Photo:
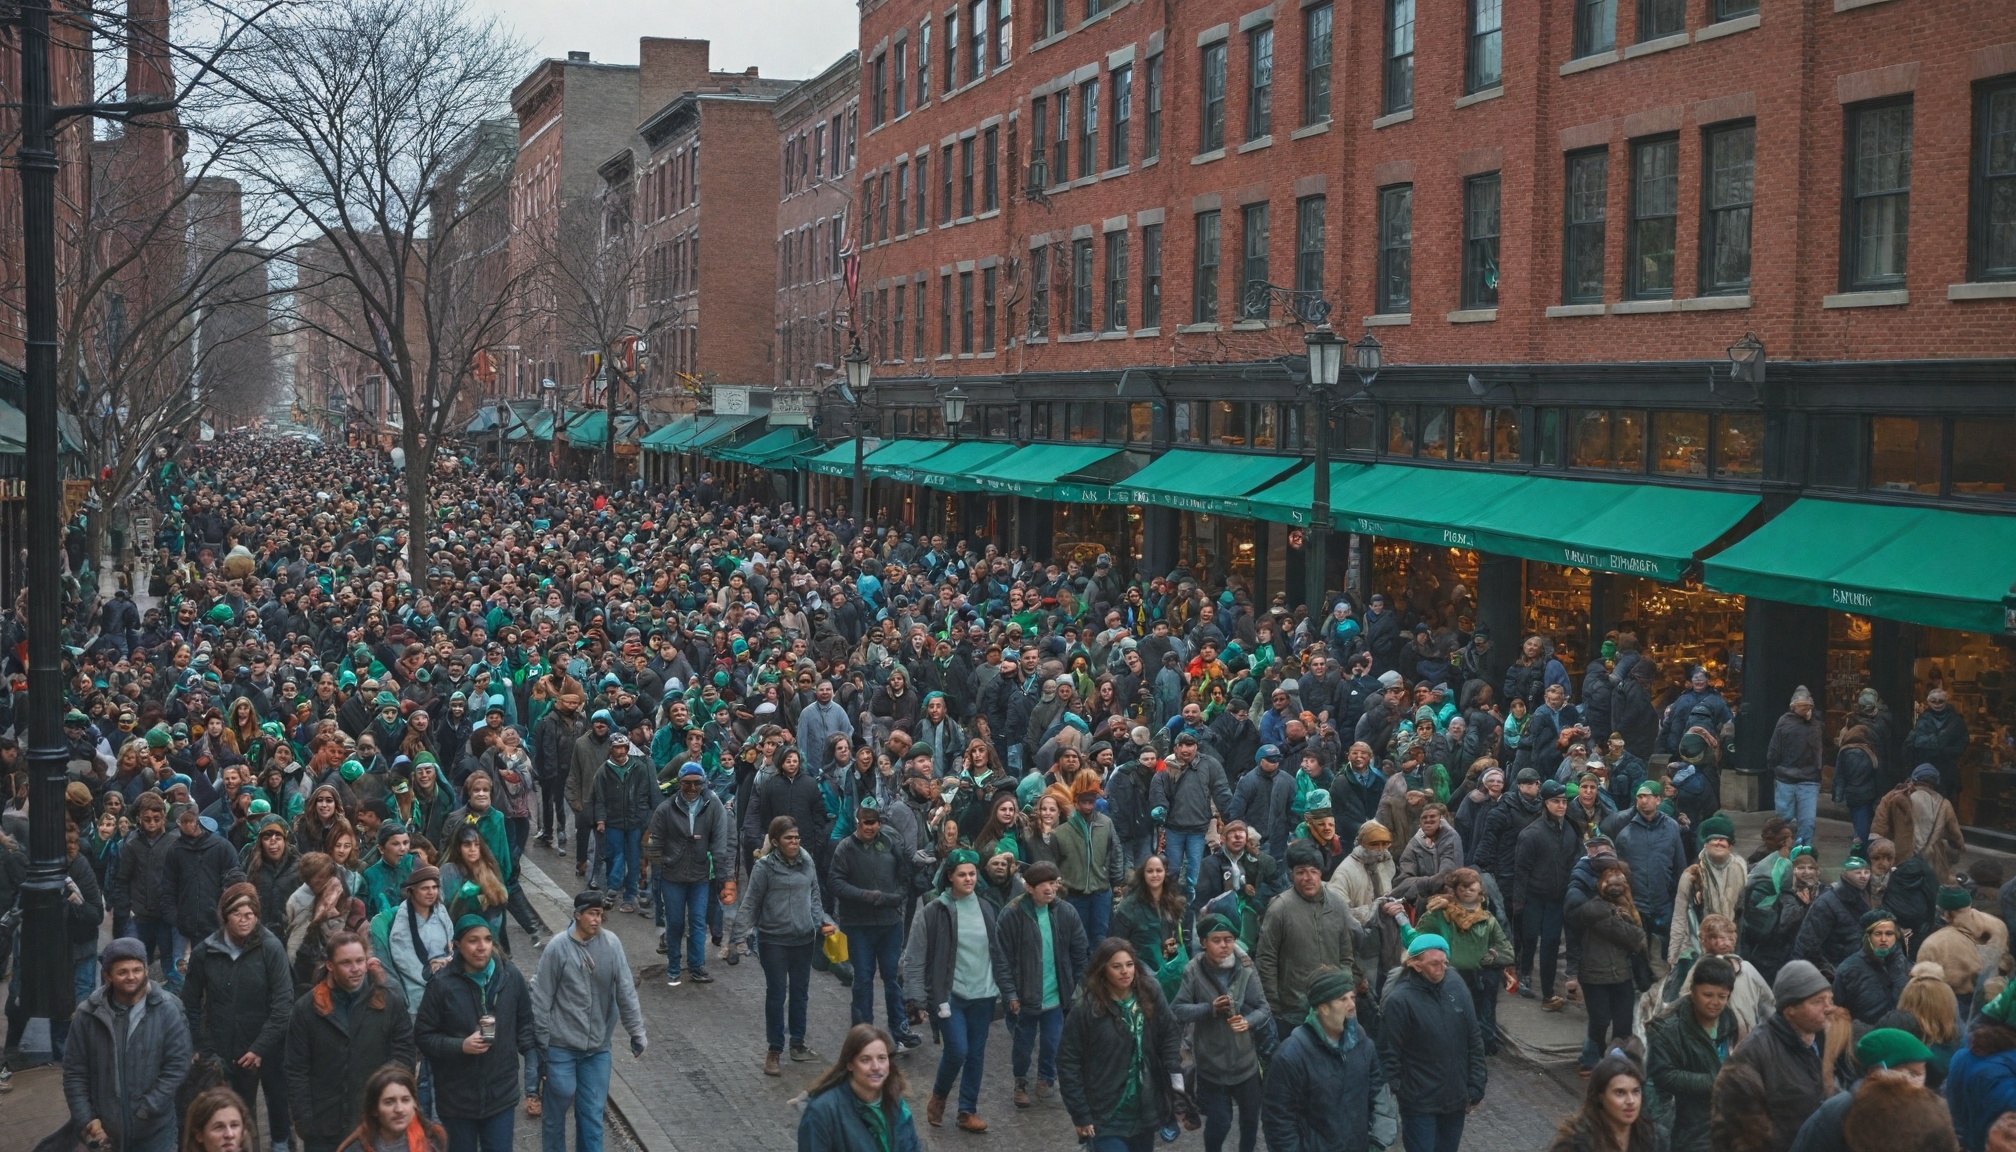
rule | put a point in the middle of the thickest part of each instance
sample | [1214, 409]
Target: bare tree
[363, 115]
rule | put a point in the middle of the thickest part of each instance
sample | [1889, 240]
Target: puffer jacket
[1833, 928]
[1430, 1049]
[1544, 860]
[239, 1000]
[686, 847]
[1868, 985]
[198, 870]
[622, 799]
[782, 900]
[1325, 1097]
[1609, 940]
[127, 1084]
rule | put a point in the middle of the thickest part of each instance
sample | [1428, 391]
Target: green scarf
[1128, 1106]
[877, 1119]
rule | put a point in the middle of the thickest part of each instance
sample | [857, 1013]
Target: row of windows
[823, 152]
[673, 184]
[672, 267]
[809, 348]
[811, 254]
[897, 199]
[1923, 454]
[1728, 164]
[894, 318]
[1259, 50]
[899, 77]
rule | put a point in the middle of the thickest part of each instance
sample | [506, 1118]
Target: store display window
[1433, 583]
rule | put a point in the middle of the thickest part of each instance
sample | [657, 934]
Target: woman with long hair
[317, 911]
[341, 846]
[241, 730]
[1932, 1005]
[218, 1121]
[468, 861]
[1613, 1117]
[1120, 1061]
[1003, 823]
[1038, 835]
[311, 828]
[782, 904]
[1150, 917]
[392, 1117]
[858, 1102]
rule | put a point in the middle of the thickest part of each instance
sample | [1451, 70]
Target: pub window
[1549, 437]
[1469, 436]
[1266, 433]
[1116, 421]
[1904, 454]
[1039, 415]
[1187, 422]
[1505, 436]
[1141, 422]
[1680, 443]
[902, 422]
[1729, 174]
[1359, 429]
[1291, 428]
[1991, 251]
[1000, 421]
[1610, 440]
[1081, 421]
[1739, 445]
[1434, 433]
[1228, 423]
[1876, 220]
[1400, 430]
[1983, 465]
[1834, 451]
[1655, 213]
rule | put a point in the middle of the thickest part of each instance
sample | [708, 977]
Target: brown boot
[1021, 1092]
[934, 1111]
[968, 1122]
[770, 1063]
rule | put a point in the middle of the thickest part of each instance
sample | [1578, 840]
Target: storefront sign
[731, 401]
[1851, 599]
[790, 409]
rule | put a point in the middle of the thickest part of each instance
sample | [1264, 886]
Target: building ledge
[1491, 93]
[1308, 130]
[1077, 337]
[1249, 325]
[1196, 329]
[1389, 320]
[1257, 143]
[1715, 303]
[1561, 311]
[1728, 27]
[1891, 298]
[1473, 316]
[1846, 5]
[1589, 63]
[1392, 118]
[1655, 46]
[1110, 173]
[1980, 290]
[1140, 332]
[1643, 307]
[1115, 335]
[1208, 157]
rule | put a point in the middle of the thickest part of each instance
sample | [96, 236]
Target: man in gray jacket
[127, 1055]
[821, 721]
[689, 842]
[1222, 997]
[584, 984]
[1180, 799]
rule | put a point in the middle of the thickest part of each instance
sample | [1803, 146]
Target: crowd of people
[1209, 863]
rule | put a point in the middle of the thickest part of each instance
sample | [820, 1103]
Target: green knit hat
[468, 923]
[1954, 899]
[1889, 1047]
[1718, 825]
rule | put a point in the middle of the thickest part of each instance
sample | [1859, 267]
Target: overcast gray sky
[788, 39]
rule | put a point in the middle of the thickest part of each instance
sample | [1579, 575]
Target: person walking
[1430, 1050]
[1181, 798]
[1794, 756]
[1091, 862]
[1685, 1051]
[1047, 949]
[393, 1117]
[1221, 999]
[1613, 946]
[1307, 930]
[1479, 950]
[857, 1105]
[966, 973]
[128, 1052]
[1779, 1074]
[1869, 983]
[783, 909]
[870, 879]
[239, 997]
[1324, 1090]
[474, 1024]
[195, 875]
[1543, 863]
[690, 841]
[1613, 1116]
[1120, 1062]
[139, 895]
[584, 985]
[619, 806]
[347, 1026]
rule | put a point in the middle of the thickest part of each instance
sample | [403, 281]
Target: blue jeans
[1540, 929]
[871, 949]
[577, 1080]
[533, 1071]
[490, 1134]
[786, 967]
[1796, 805]
[625, 860]
[1139, 1142]
[1861, 816]
[964, 1057]
[1050, 1023]
[1432, 1131]
[1095, 912]
[685, 919]
[158, 937]
[1185, 852]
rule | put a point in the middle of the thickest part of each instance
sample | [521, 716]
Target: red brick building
[817, 123]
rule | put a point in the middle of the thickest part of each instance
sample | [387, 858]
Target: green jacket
[1483, 945]
[1682, 1061]
[382, 883]
[1089, 858]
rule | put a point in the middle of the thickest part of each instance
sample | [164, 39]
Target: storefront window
[1834, 451]
[1141, 422]
[1082, 531]
[1557, 607]
[1360, 430]
[1550, 438]
[1607, 439]
[929, 422]
[1435, 433]
[1265, 433]
[1505, 436]
[1291, 428]
[902, 422]
[1220, 546]
[1739, 446]
[1904, 454]
[1081, 421]
[1471, 443]
[1189, 422]
[1439, 584]
[1040, 416]
[1681, 625]
[1400, 430]
[1983, 462]
[1228, 423]
[1116, 422]
[1680, 443]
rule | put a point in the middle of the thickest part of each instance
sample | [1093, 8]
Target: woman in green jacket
[1479, 950]
[1150, 919]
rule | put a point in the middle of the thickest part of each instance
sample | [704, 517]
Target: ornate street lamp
[854, 391]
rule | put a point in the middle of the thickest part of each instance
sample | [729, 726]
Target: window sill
[1656, 46]
[1115, 335]
[986, 356]
[1249, 325]
[1559, 311]
[1256, 144]
[1151, 161]
[1643, 307]
[966, 219]
[1982, 290]
[1473, 316]
[965, 355]
[1891, 298]
[1084, 182]
[1208, 157]
[1392, 118]
[1589, 63]
[1047, 41]
[1141, 332]
[1730, 27]
[1196, 329]
[943, 356]
[1308, 130]
[1491, 93]
[989, 214]
[1110, 173]
[1035, 339]
[1077, 337]
[1112, 7]
[1847, 5]
[1715, 303]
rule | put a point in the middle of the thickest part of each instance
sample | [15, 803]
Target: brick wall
[738, 214]
[817, 188]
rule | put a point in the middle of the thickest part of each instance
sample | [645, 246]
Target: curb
[555, 904]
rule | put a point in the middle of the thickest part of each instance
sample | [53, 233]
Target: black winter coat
[1127, 802]
[276, 880]
[1543, 862]
[1833, 928]
[622, 801]
[140, 881]
[1319, 1095]
[1022, 940]
[1096, 1051]
[1868, 986]
[1771, 922]
[328, 1059]
[1609, 939]
[242, 1004]
[475, 1087]
[1430, 1049]
[198, 871]
[794, 796]
[1498, 846]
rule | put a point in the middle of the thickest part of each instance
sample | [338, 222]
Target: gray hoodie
[782, 900]
[580, 991]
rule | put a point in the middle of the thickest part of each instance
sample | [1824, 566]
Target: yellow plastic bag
[836, 948]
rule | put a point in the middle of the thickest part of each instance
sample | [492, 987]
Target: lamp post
[854, 391]
[503, 419]
[954, 404]
[1326, 355]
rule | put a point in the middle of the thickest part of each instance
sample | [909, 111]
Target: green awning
[835, 461]
[1037, 469]
[590, 428]
[895, 456]
[950, 470]
[775, 445]
[537, 426]
[1216, 483]
[1289, 501]
[1923, 565]
[715, 430]
[657, 440]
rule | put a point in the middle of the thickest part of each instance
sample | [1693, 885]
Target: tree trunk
[419, 509]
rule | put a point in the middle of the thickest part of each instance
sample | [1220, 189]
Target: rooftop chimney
[577, 57]
[669, 67]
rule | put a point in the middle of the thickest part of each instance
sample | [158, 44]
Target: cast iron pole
[1316, 542]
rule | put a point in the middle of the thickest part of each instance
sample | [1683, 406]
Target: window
[988, 308]
[1004, 32]
[1151, 132]
[1088, 127]
[1904, 454]
[1211, 120]
[1186, 421]
[1876, 221]
[1081, 285]
[882, 207]
[1991, 248]
[1053, 17]
[923, 62]
[1039, 291]
[1309, 255]
[918, 210]
[1116, 281]
[1204, 289]
[1982, 462]
[1505, 436]
[882, 348]
[1729, 163]
[917, 324]
[818, 152]
[836, 238]
[1582, 229]
[990, 183]
[1548, 438]
[902, 198]
[1039, 140]
[1060, 141]
[1483, 63]
[966, 177]
[1480, 241]
[1595, 26]
[1256, 305]
[952, 49]
[977, 28]
[1081, 421]
[1400, 430]
[1399, 55]
[1680, 443]
[1396, 249]
[902, 72]
[945, 315]
[1151, 275]
[1730, 9]
[878, 90]
[945, 188]
[1611, 441]
[1316, 64]
[1655, 215]
[1259, 82]
[1140, 425]
[966, 313]
[1739, 445]
[1122, 118]
[1658, 18]
[1228, 423]
[1834, 451]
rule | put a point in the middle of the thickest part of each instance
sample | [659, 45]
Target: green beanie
[1330, 985]
[1718, 825]
[1889, 1047]
[960, 856]
[469, 923]
[1954, 899]
[350, 770]
[156, 738]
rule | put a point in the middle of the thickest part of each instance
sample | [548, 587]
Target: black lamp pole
[857, 372]
[1325, 352]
